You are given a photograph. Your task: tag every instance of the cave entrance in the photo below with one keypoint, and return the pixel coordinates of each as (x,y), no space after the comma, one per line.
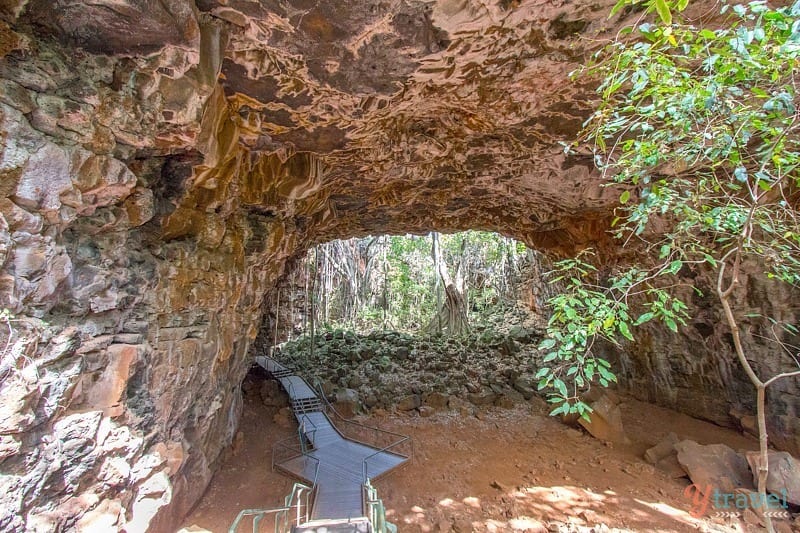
(486,456)
(412,321)
(420,284)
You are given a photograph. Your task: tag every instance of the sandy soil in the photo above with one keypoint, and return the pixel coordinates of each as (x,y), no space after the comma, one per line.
(504,470)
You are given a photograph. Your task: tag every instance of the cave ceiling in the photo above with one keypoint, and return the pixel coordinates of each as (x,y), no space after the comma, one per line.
(365,116)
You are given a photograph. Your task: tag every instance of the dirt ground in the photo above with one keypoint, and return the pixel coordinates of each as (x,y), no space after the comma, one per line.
(503,470)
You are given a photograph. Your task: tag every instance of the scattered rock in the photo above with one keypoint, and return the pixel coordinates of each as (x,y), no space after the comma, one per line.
(462,407)
(272,395)
(525,387)
(407,403)
(605,420)
(283,417)
(715,466)
(497,485)
(783,476)
(661,450)
(750,518)
(437,400)
(482,398)
(347,402)
(504,401)
(425,411)
(462,524)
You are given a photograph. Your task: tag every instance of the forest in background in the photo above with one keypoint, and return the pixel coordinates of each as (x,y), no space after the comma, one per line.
(427,284)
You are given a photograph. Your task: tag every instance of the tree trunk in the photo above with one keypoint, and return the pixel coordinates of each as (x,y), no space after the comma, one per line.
(724,295)
(452,316)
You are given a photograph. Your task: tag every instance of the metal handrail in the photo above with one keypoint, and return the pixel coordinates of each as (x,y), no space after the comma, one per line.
(297,494)
(364,463)
(329,406)
(375,510)
(297,453)
(259,513)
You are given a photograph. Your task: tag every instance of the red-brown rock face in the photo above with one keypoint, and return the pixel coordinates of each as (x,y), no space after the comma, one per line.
(162,161)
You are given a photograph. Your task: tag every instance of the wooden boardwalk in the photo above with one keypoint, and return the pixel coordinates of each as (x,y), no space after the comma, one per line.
(339,465)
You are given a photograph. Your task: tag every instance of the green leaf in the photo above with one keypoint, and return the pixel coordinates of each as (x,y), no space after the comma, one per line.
(623,328)
(560,386)
(644,317)
(619,5)
(675,266)
(547,344)
(671,324)
(663,11)
(624,197)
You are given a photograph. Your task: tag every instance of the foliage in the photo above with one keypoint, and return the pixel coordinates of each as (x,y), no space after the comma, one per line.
(395,279)
(698,128)
(589,309)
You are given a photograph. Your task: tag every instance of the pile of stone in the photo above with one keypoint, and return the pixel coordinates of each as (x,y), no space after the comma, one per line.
(724,480)
(391,370)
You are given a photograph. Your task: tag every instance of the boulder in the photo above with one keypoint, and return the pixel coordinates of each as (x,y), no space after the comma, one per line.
(714,466)
(407,403)
(425,411)
(663,449)
(370,399)
(605,420)
(462,407)
(670,466)
(437,400)
(505,401)
(783,477)
(346,402)
(272,395)
(524,387)
(482,398)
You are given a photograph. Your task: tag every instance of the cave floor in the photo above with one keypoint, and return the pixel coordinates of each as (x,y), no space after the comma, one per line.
(503,470)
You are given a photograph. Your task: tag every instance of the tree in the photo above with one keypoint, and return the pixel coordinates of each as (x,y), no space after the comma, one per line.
(698,128)
(451,315)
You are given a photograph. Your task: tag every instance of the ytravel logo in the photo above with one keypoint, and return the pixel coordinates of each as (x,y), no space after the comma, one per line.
(710,501)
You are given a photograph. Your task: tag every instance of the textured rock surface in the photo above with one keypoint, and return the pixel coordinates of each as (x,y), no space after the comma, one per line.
(784,474)
(715,467)
(697,372)
(605,420)
(163,162)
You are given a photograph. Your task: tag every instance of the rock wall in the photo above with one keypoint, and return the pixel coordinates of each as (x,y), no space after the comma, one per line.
(697,372)
(162,162)
(134,285)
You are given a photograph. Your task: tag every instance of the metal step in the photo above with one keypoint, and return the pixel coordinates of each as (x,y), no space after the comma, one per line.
(285,373)
(306,405)
(357,525)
